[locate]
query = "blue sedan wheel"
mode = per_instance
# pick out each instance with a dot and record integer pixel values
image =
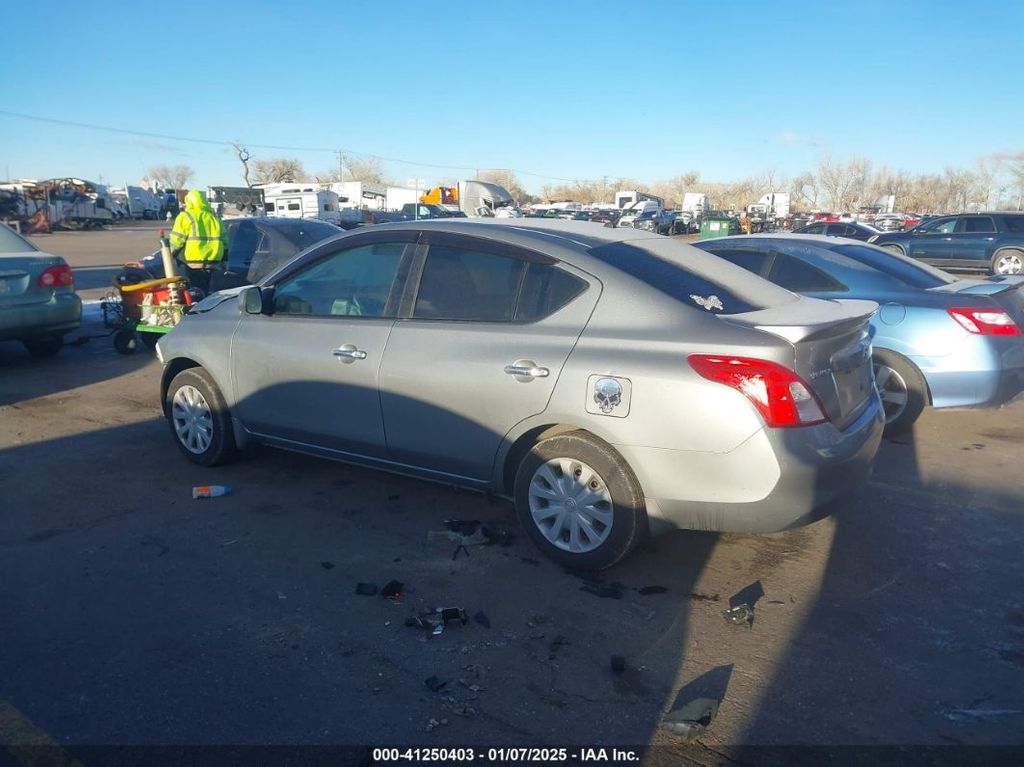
(902, 389)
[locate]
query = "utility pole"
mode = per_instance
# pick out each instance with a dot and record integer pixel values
(341, 166)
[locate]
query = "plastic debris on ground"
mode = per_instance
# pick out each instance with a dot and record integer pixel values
(434, 684)
(740, 615)
(618, 664)
(393, 590)
(692, 719)
(436, 621)
(210, 491)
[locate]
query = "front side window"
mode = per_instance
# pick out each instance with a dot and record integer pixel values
(356, 282)
(462, 284)
(938, 226)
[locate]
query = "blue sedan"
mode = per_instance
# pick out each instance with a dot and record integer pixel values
(938, 340)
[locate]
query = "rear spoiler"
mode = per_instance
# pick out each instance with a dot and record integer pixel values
(982, 287)
(807, 318)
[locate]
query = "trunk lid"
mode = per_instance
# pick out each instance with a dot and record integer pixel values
(1005, 290)
(19, 275)
(832, 350)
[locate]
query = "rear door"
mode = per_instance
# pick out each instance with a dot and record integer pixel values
(972, 241)
(307, 374)
(487, 328)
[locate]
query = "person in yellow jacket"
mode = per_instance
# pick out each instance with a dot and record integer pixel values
(201, 238)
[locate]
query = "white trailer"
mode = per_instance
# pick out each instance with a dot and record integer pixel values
(360, 194)
(627, 197)
(301, 200)
(695, 203)
(398, 196)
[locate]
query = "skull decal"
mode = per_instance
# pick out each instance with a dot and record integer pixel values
(607, 394)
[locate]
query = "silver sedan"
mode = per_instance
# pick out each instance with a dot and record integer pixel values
(611, 382)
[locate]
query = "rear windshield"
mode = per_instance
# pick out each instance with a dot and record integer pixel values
(906, 270)
(693, 277)
(12, 242)
(302, 234)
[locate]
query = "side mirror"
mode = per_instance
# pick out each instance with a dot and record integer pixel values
(250, 301)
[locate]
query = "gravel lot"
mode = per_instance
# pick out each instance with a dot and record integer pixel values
(133, 614)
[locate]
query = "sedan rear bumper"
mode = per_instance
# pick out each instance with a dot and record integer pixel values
(57, 316)
(778, 479)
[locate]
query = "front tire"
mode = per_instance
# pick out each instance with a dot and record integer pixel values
(1010, 261)
(199, 418)
(579, 502)
(902, 388)
(894, 249)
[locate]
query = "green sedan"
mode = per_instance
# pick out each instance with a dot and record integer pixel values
(38, 303)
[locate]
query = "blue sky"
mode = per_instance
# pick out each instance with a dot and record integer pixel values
(563, 90)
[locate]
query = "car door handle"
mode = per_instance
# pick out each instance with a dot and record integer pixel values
(524, 370)
(348, 353)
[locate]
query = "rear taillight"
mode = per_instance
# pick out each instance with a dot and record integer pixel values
(59, 276)
(780, 395)
(985, 322)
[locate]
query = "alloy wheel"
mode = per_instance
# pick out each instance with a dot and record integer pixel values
(893, 391)
(1010, 263)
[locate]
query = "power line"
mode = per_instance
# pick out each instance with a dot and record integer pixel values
(275, 147)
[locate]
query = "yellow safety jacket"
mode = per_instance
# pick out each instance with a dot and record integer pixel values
(199, 232)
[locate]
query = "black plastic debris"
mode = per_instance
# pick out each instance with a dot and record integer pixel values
(392, 589)
(618, 664)
(434, 684)
(692, 719)
(327, 565)
(739, 615)
(366, 589)
(482, 619)
(648, 590)
(603, 590)
(460, 547)
(557, 644)
(698, 597)
(449, 614)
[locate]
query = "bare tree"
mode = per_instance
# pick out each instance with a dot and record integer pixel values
(1017, 176)
(806, 191)
(171, 176)
(369, 169)
(243, 157)
(276, 170)
(844, 183)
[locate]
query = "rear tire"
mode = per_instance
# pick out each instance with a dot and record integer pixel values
(579, 502)
(199, 418)
(44, 347)
(902, 388)
(1008, 261)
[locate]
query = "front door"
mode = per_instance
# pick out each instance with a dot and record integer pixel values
(932, 240)
(486, 335)
(306, 374)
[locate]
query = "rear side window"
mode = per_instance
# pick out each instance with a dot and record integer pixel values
(1014, 223)
(978, 224)
(906, 270)
(545, 290)
(12, 242)
(800, 277)
(460, 284)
